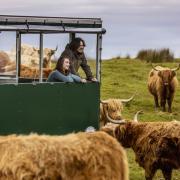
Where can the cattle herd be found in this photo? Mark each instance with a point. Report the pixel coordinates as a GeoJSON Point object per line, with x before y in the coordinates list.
{"type": "Point", "coordinates": [98, 155]}
{"type": "Point", "coordinates": [29, 67]}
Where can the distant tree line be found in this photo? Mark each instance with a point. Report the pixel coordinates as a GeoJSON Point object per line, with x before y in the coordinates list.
{"type": "Point", "coordinates": [127, 56]}
{"type": "Point", "coordinates": [156, 55]}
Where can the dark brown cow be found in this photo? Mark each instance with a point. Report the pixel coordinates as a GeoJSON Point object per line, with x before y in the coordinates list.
{"type": "Point", "coordinates": [162, 83]}
{"type": "Point", "coordinates": [143, 138]}
{"type": "Point", "coordinates": [169, 149]}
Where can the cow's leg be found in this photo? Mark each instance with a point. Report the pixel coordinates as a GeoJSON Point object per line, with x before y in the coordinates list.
{"type": "Point", "coordinates": [170, 99]}
{"type": "Point", "coordinates": [149, 173]}
{"type": "Point", "coordinates": [167, 173]}
{"type": "Point", "coordinates": [156, 101]}
{"type": "Point", "coordinates": [169, 105]}
{"type": "Point", "coordinates": [163, 104]}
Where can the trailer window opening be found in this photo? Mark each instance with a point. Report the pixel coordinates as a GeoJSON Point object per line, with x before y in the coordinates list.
{"type": "Point", "coordinates": [28, 102]}
{"type": "Point", "coordinates": [26, 43]}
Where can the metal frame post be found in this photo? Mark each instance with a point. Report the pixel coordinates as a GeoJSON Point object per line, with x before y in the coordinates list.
{"type": "Point", "coordinates": [18, 55]}
{"type": "Point", "coordinates": [71, 36]}
{"type": "Point", "coordinates": [41, 58]}
{"type": "Point", "coordinates": [98, 57]}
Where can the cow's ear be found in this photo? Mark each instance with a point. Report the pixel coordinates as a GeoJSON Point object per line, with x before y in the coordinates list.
{"type": "Point", "coordinates": [173, 73]}
{"type": "Point", "coordinates": [159, 73]}
{"type": "Point", "coordinates": [151, 74]}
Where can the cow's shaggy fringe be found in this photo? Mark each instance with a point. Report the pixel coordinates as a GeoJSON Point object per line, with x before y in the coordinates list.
{"type": "Point", "coordinates": [169, 146]}
{"type": "Point", "coordinates": [81, 156]}
{"type": "Point", "coordinates": [113, 107]}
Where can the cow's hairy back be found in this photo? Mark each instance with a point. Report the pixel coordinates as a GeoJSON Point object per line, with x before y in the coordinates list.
{"type": "Point", "coordinates": [74, 156]}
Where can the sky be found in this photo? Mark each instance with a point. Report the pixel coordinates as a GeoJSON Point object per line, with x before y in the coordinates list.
{"type": "Point", "coordinates": [131, 25]}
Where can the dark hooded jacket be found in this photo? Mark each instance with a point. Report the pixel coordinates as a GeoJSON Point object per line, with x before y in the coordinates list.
{"type": "Point", "coordinates": [77, 60]}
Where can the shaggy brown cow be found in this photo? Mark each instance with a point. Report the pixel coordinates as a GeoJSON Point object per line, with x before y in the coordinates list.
{"type": "Point", "coordinates": [30, 56]}
{"type": "Point", "coordinates": [162, 83]}
{"type": "Point", "coordinates": [169, 149]}
{"type": "Point", "coordinates": [143, 138]}
{"type": "Point", "coordinates": [29, 59]}
{"type": "Point", "coordinates": [28, 72]}
{"type": "Point", "coordinates": [112, 108]}
{"type": "Point", "coordinates": [81, 156]}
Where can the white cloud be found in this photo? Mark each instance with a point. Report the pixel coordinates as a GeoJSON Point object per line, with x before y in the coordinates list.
{"type": "Point", "coordinates": [129, 23]}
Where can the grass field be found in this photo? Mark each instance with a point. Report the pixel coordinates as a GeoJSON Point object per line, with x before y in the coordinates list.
{"type": "Point", "coordinates": [120, 79]}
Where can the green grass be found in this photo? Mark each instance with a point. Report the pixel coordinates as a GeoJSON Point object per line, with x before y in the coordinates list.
{"type": "Point", "coordinates": [120, 79]}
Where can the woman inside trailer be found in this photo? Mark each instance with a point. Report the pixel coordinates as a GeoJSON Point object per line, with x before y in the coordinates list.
{"type": "Point", "coordinates": [62, 72]}
{"type": "Point", "coordinates": [75, 52]}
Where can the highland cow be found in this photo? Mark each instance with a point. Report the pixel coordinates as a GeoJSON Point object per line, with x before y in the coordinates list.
{"type": "Point", "coordinates": [29, 72]}
{"type": "Point", "coordinates": [143, 138]}
{"type": "Point", "coordinates": [30, 58]}
{"type": "Point", "coordinates": [81, 156]}
{"type": "Point", "coordinates": [112, 108]}
{"type": "Point", "coordinates": [162, 83]}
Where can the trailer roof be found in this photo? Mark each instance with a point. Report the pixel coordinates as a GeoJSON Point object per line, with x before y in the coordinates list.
{"type": "Point", "coordinates": [36, 24]}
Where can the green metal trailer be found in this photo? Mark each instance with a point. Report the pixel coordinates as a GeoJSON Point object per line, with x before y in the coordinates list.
{"type": "Point", "coordinates": [48, 108]}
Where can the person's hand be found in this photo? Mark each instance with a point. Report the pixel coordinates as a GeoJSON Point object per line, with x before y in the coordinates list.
{"type": "Point", "coordinates": [94, 79]}
{"type": "Point", "coordinates": [83, 80]}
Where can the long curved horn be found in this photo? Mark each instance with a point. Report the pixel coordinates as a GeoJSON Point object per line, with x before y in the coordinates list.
{"type": "Point", "coordinates": [103, 102]}
{"type": "Point", "coordinates": [136, 115]}
{"type": "Point", "coordinates": [154, 67]}
{"type": "Point", "coordinates": [175, 69]}
{"type": "Point", "coordinates": [122, 121]}
{"type": "Point", "coordinates": [35, 49]}
{"type": "Point", "coordinates": [56, 48]}
{"type": "Point", "coordinates": [127, 100]}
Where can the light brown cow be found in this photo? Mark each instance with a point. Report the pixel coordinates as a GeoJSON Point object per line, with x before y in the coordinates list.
{"type": "Point", "coordinates": [30, 57]}
{"type": "Point", "coordinates": [81, 156]}
{"type": "Point", "coordinates": [28, 72]}
{"type": "Point", "coordinates": [30, 62]}
{"type": "Point", "coordinates": [143, 138]}
{"type": "Point", "coordinates": [4, 60]}
{"type": "Point", "coordinates": [47, 58]}
{"type": "Point", "coordinates": [112, 108]}
{"type": "Point", "coordinates": [162, 83]}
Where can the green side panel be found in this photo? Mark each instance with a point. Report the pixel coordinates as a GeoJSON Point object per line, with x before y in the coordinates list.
{"type": "Point", "coordinates": [57, 108]}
